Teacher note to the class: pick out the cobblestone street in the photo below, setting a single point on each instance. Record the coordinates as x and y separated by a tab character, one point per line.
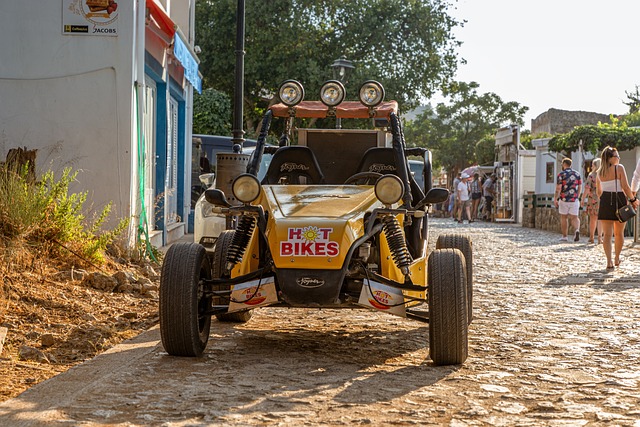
555	342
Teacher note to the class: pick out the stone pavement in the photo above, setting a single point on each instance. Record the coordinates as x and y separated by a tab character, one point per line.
555	341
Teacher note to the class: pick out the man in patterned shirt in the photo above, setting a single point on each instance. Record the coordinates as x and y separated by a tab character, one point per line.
567	199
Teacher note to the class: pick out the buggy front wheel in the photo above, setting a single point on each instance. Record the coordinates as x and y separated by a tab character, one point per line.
184	300
462	242
448	307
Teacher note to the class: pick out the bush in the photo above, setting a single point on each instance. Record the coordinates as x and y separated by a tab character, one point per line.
47	218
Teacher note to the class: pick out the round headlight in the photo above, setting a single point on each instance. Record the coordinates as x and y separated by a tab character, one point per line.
332	93
291	93
389	189
371	93
246	188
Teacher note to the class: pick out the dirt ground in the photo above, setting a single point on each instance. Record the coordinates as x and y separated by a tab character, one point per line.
54	318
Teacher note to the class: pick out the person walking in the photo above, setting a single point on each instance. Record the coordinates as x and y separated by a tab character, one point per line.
476	195
591	202
456	200
488	191
464	199
568	189
612	186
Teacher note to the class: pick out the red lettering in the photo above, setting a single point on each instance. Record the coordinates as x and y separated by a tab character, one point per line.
306	249
325	232
320	248
286	248
333	249
295	233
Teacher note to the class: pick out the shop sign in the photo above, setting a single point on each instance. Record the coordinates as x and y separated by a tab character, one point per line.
90	17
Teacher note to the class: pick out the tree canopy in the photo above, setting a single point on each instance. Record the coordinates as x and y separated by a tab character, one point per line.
211	113
406	45
594	138
454	130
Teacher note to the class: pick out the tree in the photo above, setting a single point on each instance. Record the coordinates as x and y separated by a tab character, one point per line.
406	45
211	113
633	100
455	128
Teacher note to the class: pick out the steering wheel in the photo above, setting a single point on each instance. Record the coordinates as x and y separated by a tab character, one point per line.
363	178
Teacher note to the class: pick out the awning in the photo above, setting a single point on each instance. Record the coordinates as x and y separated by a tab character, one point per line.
164	27
188	60
160	19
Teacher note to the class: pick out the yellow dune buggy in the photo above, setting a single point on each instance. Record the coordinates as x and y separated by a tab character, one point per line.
338	221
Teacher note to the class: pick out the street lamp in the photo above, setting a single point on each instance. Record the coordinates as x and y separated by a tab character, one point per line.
341	67
238	96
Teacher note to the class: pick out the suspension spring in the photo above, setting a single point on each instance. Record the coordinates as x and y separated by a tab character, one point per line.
397	244
240	240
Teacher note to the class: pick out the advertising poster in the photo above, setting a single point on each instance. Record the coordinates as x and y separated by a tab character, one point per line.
90	17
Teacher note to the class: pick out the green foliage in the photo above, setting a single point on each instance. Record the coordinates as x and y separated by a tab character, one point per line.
406	45
526	138
43	213
595	138
211	113
453	130
486	150
632	119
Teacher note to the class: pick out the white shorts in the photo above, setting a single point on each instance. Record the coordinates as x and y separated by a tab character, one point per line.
568	208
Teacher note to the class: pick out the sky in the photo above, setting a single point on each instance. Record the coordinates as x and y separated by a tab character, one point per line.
577	55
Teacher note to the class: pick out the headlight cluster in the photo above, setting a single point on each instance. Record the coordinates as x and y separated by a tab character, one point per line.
246	188
332	93
389	189
291	93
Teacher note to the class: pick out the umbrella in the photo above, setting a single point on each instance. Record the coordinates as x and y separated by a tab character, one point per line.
470	170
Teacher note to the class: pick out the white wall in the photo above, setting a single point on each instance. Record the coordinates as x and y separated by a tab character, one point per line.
69	96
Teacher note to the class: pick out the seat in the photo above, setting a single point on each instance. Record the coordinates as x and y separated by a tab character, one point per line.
296	164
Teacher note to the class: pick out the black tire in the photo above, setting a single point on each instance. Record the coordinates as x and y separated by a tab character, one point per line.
183	328
219	271
448	324
463	243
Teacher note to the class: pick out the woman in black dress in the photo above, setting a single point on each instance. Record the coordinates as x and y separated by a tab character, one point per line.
613	189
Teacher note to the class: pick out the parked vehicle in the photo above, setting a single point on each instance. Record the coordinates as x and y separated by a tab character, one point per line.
337	221
208	223
204	151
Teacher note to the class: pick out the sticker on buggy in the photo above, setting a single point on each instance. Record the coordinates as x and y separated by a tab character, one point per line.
253	294
382	297
309	241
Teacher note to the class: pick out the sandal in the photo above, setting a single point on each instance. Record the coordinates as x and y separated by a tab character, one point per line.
610	267
617	263
590	240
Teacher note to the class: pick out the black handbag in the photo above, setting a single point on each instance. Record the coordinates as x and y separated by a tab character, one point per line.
626	212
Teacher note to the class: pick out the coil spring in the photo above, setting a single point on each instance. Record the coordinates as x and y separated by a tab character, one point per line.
397	245
240	240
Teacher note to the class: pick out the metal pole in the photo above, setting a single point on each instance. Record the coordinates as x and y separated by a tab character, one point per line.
238	132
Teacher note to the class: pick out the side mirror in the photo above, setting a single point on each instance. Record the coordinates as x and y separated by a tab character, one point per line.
207	179
435	195
216	197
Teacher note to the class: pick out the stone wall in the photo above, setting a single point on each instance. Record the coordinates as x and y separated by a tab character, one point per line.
540	212
556	121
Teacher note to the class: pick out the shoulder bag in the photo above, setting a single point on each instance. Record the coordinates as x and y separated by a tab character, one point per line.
626	212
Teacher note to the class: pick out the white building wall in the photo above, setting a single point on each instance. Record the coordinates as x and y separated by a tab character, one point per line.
69	96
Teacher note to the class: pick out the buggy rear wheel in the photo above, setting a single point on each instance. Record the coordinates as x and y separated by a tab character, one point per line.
184	326
463	243
219	271
448	307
